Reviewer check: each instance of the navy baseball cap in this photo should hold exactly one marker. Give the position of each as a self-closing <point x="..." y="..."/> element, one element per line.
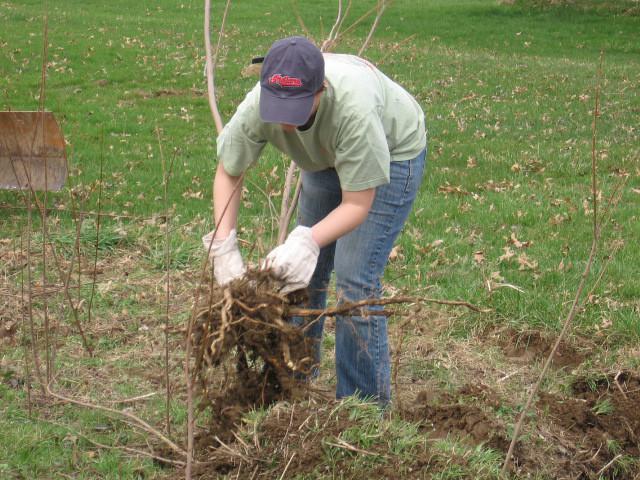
<point x="292" y="73"/>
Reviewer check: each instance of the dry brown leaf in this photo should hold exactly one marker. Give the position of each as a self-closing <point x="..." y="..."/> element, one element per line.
<point x="526" y="263"/>
<point x="472" y="162"/>
<point x="396" y="253"/>
<point x="507" y="255"/>
<point x="458" y="190"/>
<point x="517" y="243"/>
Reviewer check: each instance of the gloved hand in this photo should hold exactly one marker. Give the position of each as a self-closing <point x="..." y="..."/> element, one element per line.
<point x="295" y="260"/>
<point x="226" y="258"/>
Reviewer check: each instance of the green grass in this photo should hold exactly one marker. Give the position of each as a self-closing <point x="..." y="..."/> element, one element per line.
<point x="508" y="93"/>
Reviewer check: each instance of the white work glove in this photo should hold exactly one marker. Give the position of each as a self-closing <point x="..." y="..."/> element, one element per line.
<point x="295" y="260"/>
<point x="226" y="258"/>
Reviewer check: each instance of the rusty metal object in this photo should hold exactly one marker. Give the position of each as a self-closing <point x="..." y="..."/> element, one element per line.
<point x="32" y="152"/>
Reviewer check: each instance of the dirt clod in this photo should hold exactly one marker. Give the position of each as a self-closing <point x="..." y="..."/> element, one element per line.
<point x="598" y="426"/>
<point x="457" y="414"/>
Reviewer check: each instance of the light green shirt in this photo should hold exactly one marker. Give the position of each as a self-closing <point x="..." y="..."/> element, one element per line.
<point x="364" y="122"/>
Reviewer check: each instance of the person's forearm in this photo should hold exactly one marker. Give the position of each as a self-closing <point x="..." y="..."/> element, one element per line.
<point x="347" y="216"/>
<point x="225" y="211"/>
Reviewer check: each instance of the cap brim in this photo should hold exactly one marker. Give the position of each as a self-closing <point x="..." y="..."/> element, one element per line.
<point x="292" y="111"/>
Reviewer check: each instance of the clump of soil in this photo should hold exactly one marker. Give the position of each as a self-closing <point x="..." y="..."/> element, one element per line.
<point x="443" y="414"/>
<point x="246" y="354"/>
<point x="598" y="426"/>
<point x="531" y="345"/>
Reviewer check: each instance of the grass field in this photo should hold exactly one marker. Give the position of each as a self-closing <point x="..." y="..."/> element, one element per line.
<point x="503" y="220"/>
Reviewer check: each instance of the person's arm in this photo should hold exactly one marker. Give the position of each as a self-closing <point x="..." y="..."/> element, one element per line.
<point x="226" y="201"/>
<point x="351" y="212"/>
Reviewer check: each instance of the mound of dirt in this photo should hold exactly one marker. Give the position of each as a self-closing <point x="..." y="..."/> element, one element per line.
<point x="458" y="415"/>
<point x="598" y="428"/>
<point x="532" y="345"/>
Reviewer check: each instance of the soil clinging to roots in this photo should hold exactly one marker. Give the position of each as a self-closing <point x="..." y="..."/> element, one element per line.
<point x="246" y="353"/>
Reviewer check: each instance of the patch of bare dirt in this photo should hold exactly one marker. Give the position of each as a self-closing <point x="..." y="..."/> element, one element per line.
<point x="532" y="345"/>
<point x="598" y="427"/>
<point x="460" y="415"/>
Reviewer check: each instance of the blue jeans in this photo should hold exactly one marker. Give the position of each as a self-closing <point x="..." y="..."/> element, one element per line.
<point x="359" y="259"/>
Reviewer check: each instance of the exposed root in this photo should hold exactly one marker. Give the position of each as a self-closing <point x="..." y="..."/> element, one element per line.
<point x="246" y="355"/>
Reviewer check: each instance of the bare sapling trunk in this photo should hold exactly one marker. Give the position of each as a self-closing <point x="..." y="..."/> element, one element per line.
<point x="583" y="279"/>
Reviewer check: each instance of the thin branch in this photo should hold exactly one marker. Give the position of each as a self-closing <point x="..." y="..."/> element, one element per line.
<point x="32" y="328"/>
<point x="585" y="274"/>
<point x="294" y="203"/>
<point x="137" y="421"/>
<point x="349" y="307"/>
<point x="595" y="285"/>
<point x="43" y="213"/>
<point x="116" y="447"/>
<point x="390" y="52"/>
<point x="382" y="5"/>
<point x="134" y="399"/>
<point x="95" y="254"/>
<point x="212" y="60"/>
<point x="327" y="43"/>
<point x="352" y="27"/>
<point x="135" y="451"/>
<point x="211" y="63"/>
<point x="23" y="329"/>
<point x="285" y="206"/>
<point x="167" y="260"/>
<point x="287" y="466"/>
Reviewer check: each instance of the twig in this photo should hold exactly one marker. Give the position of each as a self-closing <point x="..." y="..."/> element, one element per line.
<point x="382" y="4"/>
<point x="167" y="260"/>
<point x="390" y="52"/>
<point x="74" y="307"/>
<point x="115" y="447"/>
<point x="348" y="307"/>
<point x="137" y="421"/>
<point x="43" y="212"/>
<point x="620" y="386"/>
<point x="211" y="60"/>
<point x="583" y="279"/>
<point x="98" y="224"/>
<point x="211" y="63"/>
<point x="327" y="43"/>
<point x="294" y="202"/>
<point x="613" y="460"/>
<point x="347" y="446"/>
<point x="287" y="466"/>
<point x="23" y="327"/>
<point x="32" y="329"/>
<point x="134" y="399"/>
<point x="357" y="22"/>
<point x="284" y="206"/>
<point x="603" y="269"/>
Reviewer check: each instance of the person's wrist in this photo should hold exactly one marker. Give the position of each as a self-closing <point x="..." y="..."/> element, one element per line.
<point x="222" y="246"/>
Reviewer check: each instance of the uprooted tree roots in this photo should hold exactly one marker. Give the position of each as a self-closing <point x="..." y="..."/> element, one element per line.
<point x="246" y="353"/>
